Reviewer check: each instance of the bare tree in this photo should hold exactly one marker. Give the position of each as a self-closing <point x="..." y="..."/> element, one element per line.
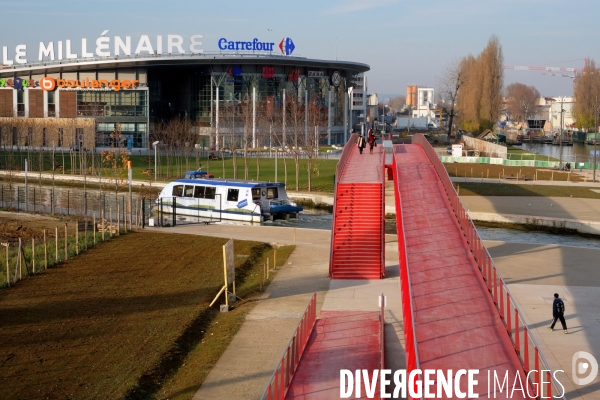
<point x="521" y="101"/>
<point x="450" y="84"/>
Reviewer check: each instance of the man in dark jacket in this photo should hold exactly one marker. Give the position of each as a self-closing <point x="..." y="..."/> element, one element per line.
<point x="558" y="312"/>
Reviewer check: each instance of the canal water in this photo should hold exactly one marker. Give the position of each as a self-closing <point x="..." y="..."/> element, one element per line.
<point x="316" y="219"/>
<point x="579" y="152"/>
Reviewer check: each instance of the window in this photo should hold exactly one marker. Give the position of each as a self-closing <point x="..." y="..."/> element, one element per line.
<point x="272" y="193"/>
<point x="15" y="138"/>
<point x="60" y="137"/>
<point x="20" y="103"/>
<point x="177" y="190"/>
<point x="44" y="136"/>
<point x="29" y="136"/>
<point x="189" y="191"/>
<point x="209" y="192"/>
<point x="51" y="104"/>
<point x="256" y="194"/>
<point x="232" y="194"/>
<point x="199" y="192"/>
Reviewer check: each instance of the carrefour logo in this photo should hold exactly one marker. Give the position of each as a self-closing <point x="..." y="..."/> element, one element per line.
<point x="286" y="46"/>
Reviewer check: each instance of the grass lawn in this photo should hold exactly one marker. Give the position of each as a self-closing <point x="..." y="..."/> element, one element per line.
<point x="127" y="319"/>
<point x="498" y="171"/>
<point x="507" y="189"/>
<point x="172" y="168"/>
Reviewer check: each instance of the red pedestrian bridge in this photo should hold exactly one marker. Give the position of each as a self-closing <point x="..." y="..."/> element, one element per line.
<point x="457" y="310"/>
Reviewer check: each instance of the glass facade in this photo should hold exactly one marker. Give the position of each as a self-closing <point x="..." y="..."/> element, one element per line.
<point x="126" y="109"/>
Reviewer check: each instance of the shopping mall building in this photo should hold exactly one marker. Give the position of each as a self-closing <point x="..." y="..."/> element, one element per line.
<point x="77" y="94"/>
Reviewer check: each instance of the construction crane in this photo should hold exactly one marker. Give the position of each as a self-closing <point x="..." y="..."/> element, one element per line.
<point x="552" y="71"/>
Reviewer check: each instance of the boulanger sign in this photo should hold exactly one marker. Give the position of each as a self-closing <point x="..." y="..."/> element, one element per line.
<point x="49" y="84"/>
<point x="105" y="46"/>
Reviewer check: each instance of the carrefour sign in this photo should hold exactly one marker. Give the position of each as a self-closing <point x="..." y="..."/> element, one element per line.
<point x="286" y="46"/>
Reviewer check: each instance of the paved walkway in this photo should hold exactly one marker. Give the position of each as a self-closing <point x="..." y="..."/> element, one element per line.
<point x="534" y="273"/>
<point x="550" y="207"/>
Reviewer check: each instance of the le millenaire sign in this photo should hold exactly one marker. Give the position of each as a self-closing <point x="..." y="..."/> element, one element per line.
<point x="49" y="84"/>
<point x="105" y="46"/>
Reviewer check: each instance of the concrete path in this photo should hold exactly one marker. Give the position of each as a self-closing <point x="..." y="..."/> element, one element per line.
<point x="533" y="274"/>
<point x="550" y="207"/>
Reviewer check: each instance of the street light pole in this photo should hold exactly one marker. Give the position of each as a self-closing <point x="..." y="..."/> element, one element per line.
<point x="155" y="144"/>
<point x="595" y="134"/>
<point x="561" y="133"/>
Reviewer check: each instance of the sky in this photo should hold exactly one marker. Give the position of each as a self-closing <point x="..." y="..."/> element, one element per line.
<point x="403" y="42"/>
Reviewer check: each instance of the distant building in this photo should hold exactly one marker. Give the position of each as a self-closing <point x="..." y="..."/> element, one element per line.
<point x="358" y="105"/>
<point x="549" y="108"/>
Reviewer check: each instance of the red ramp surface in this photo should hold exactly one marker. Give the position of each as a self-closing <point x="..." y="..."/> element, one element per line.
<point x="456" y="322"/>
<point x="340" y="340"/>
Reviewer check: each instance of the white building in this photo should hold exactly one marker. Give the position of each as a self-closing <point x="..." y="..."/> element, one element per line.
<point x="424" y="103"/>
<point x="550" y="109"/>
<point x="358" y="100"/>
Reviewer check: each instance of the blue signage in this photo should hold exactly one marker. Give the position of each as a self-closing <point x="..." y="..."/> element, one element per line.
<point x="286" y="46"/>
<point x="597" y="153"/>
<point x="242" y="203"/>
<point x="254" y="45"/>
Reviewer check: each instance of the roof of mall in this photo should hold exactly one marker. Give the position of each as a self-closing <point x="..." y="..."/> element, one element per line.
<point x="48" y="67"/>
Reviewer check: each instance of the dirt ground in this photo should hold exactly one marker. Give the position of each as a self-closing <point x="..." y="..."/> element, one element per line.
<point x="119" y="320"/>
<point x="27" y="226"/>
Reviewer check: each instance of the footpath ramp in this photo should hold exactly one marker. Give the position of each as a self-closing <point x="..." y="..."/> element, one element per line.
<point x="357" y="245"/>
<point x="456" y="322"/>
<point x="340" y="340"/>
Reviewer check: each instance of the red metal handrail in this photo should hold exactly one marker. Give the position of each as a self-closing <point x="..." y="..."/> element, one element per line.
<point x="516" y="328"/>
<point x="339" y="169"/>
<point x="410" y="335"/>
<point x="283" y="375"/>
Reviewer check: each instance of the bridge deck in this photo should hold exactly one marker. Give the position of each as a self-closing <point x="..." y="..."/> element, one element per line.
<point x="365" y="167"/>
<point x="457" y="325"/>
<point x="340" y="340"/>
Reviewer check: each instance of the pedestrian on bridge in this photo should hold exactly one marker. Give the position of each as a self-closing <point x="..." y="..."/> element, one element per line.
<point x="371" y="141"/>
<point x="360" y="143"/>
<point x="558" y="313"/>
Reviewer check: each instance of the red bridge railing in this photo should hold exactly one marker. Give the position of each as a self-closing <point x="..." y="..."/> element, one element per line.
<point x="523" y="341"/>
<point x="410" y="336"/>
<point x="339" y="169"/>
<point x="282" y="377"/>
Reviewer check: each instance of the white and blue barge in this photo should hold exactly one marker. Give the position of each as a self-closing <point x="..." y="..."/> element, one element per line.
<point x="197" y="195"/>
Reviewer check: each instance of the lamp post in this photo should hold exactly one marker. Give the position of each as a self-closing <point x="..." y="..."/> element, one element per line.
<point x="562" y="110"/>
<point x="155" y="144"/>
<point x="595" y="134"/>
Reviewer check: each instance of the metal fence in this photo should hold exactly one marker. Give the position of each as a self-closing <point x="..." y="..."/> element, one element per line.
<point x="134" y="210"/>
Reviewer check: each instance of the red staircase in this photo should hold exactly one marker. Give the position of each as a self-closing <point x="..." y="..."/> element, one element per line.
<point x="357" y="235"/>
<point x="358" y="224"/>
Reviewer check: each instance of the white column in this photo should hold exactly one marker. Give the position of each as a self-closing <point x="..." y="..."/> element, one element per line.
<point x="329" y="119"/>
<point x="283" y="133"/>
<point x="306" y="112"/>
<point x="26" y="101"/>
<point x="15" y="106"/>
<point x="45" y="97"/>
<point x="217" y="123"/>
<point x="345" y="118"/>
<point x="253" y="117"/>
<point x="57" y="103"/>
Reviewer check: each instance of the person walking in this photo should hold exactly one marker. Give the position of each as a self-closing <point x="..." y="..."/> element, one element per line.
<point x="558" y="313"/>
<point x="371" y="141"/>
<point x="360" y="143"/>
